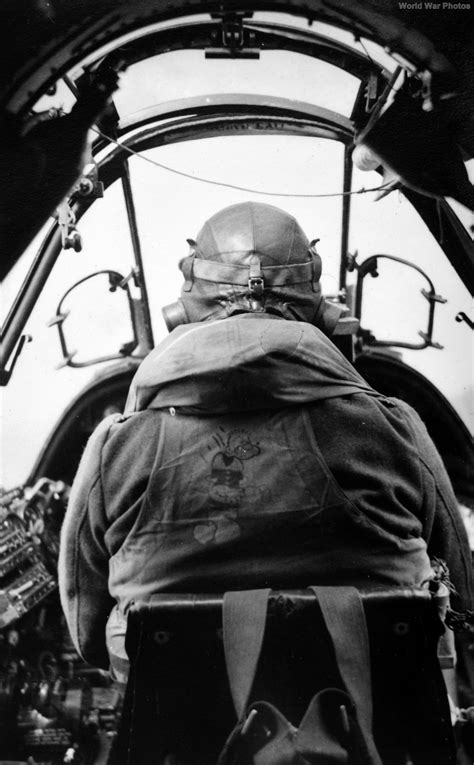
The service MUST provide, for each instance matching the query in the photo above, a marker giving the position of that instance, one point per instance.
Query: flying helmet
(252, 258)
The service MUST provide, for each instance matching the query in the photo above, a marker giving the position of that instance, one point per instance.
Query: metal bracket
(432, 297)
(70, 236)
(371, 92)
(115, 281)
(369, 266)
(235, 41)
(89, 184)
(66, 362)
(58, 319)
(232, 32)
(461, 316)
(351, 261)
(429, 342)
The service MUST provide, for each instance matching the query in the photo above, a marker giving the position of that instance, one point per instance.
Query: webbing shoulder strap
(344, 617)
(244, 617)
(243, 620)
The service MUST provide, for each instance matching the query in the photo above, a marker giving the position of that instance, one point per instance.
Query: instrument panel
(53, 707)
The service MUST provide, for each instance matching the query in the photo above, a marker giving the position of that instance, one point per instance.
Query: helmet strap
(187, 268)
(256, 284)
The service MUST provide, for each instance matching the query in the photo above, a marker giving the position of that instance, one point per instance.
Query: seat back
(178, 703)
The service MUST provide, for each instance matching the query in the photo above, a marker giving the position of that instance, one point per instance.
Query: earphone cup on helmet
(175, 314)
(327, 316)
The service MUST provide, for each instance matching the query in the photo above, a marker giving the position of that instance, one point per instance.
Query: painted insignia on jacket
(228, 488)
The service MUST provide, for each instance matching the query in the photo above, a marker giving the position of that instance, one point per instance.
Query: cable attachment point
(70, 236)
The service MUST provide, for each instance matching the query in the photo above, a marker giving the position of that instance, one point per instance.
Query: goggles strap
(227, 273)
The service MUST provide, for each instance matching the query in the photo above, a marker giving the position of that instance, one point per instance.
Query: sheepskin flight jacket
(252, 454)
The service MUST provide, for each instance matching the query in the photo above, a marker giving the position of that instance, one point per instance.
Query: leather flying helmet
(251, 257)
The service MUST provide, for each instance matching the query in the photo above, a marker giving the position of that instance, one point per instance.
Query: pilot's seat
(178, 707)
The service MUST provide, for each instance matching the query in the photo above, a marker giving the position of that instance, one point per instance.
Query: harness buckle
(256, 286)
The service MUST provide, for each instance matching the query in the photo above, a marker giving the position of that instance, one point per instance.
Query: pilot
(251, 453)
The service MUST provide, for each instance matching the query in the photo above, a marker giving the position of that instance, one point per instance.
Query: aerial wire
(234, 186)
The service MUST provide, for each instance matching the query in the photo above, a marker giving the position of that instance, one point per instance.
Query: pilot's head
(251, 258)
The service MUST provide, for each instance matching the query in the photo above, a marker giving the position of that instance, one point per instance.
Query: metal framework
(169, 124)
(134, 32)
